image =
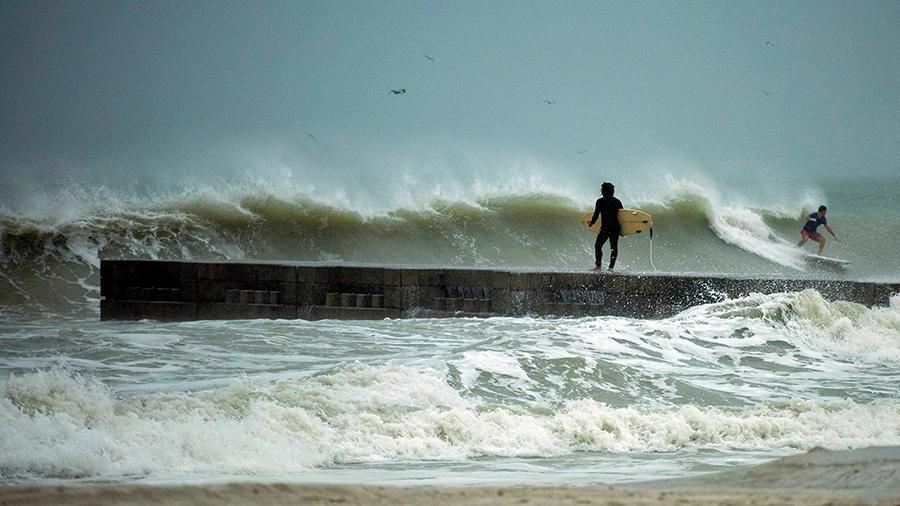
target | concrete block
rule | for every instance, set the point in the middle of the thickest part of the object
(147, 310)
(156, 274)
(122, 268)
(286, 294)
(172, 294)
(188, 289)
(363, 300)
(222, 311)
(359, 275)
(502, 301)
(348, 300)
(113, 288)
(567, 280)
(260, 296)
(211, 290)
(483, 306)
(299, 295)
(280, 273)
(212, 271)
(325, 276)
(233, 296)
(377, 301)
(306, 274)
(189, 270)
(464, 277)
(168, 272)
(519, 281)
(107, 269)
(413, 277)
(240, 272)
(391, 297)
(391, 277)
(332, 299)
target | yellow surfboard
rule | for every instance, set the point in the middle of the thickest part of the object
(631, 220)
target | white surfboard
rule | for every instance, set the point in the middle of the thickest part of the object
(825, 260)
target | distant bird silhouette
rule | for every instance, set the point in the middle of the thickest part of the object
(429, 58)
(583, 151)
(766, 92)
(401, 91)
(551, 102)
(311, 136)
(770, 43)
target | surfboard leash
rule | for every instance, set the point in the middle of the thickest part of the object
(651, 250)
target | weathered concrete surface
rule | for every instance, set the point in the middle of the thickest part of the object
(163, 290)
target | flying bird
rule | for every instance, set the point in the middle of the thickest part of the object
(401, 91)
(770, 43)
(429, 58)
(551, 102)
(583, 151)
(766, 92)
(311, 136)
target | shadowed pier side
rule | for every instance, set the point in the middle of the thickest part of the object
(180, 291)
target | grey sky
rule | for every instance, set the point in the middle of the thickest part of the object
(137, 90)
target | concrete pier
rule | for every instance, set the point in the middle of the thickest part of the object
(179, 291)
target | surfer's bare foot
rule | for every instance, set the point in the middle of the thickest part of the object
(596, 269)
(610, 269)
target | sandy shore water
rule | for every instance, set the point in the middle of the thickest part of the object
(819, 477)
(265, 494)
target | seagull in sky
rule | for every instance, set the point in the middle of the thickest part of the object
(766, 92)
(429, 58)
(550, 102)
(583, 151)
(311, 136)
(401, 91)
(770, 43)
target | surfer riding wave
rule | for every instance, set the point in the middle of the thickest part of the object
(812, 224)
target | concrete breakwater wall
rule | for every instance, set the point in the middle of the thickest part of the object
(171, 290)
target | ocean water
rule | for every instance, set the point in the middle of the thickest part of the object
(449, 401)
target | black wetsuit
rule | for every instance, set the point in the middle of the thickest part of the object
(608, 210)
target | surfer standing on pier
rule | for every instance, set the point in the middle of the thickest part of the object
(809, 229)
(607, 208)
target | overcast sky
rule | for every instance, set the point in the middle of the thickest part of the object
(140, 89)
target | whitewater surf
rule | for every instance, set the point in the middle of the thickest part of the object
(519, 399)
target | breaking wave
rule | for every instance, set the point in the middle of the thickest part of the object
(53, 258)
(62, 425)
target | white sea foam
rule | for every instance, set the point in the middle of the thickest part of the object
(845, 330)
(64, 425)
